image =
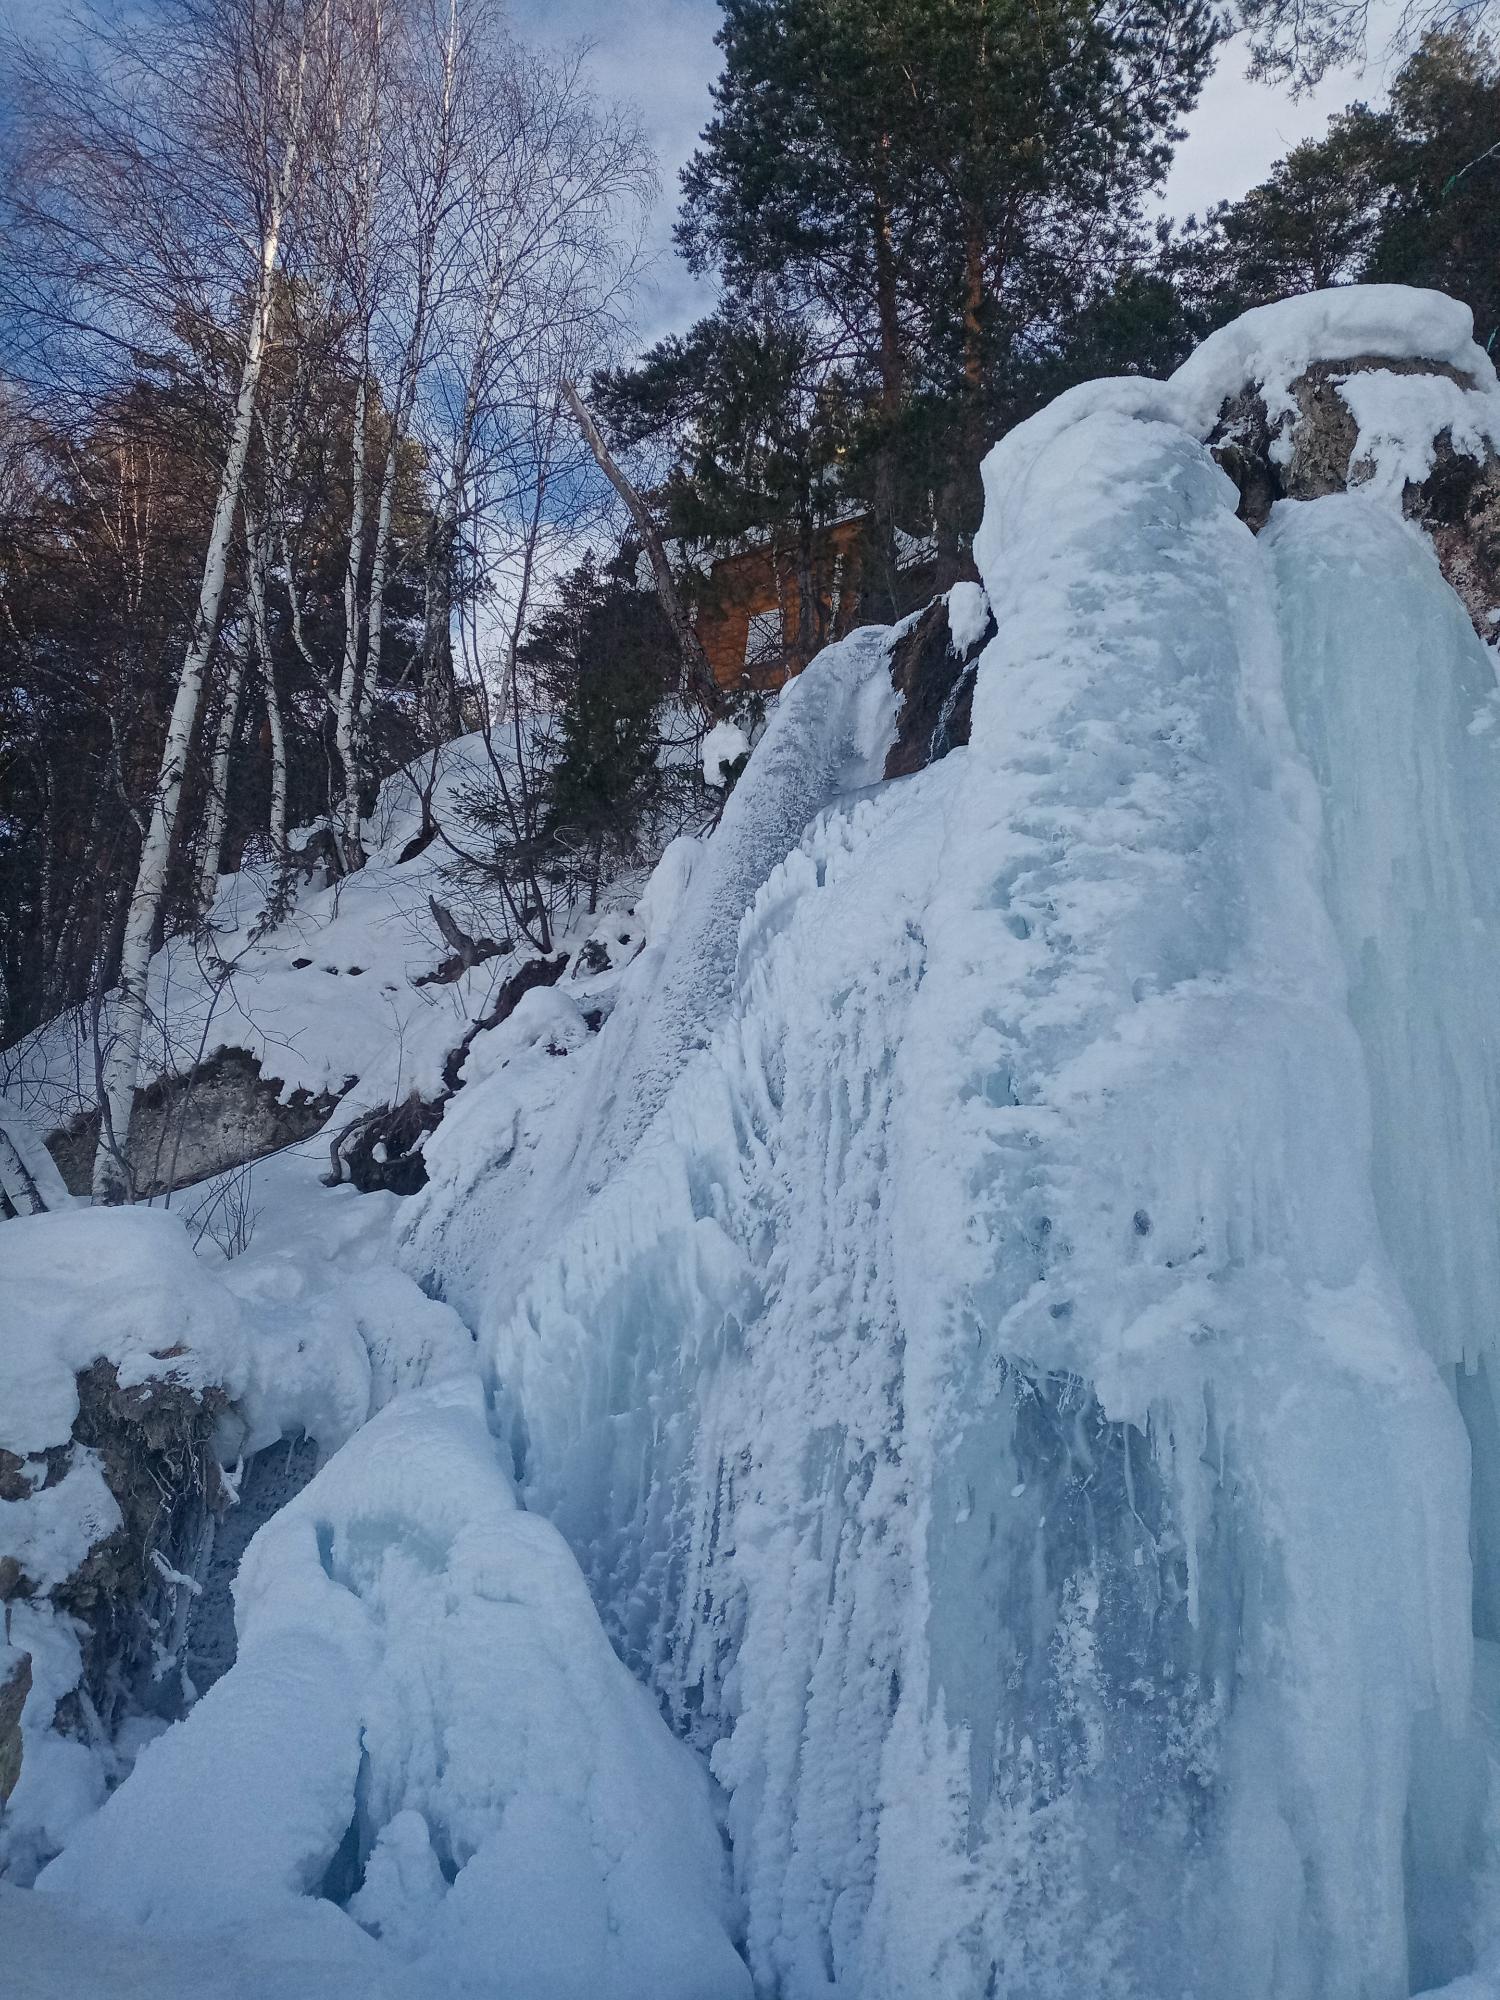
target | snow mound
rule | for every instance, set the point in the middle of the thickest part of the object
(726, 743)
(426, 1724)
(968, 615)
(1269, 347)
(121, 1285)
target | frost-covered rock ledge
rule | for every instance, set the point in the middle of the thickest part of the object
(1375, 388)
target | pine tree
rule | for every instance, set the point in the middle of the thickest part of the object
(754, 422)
(1440, 224)
(603, 656)
(929, 181)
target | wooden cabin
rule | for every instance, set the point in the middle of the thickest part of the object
(749, 611)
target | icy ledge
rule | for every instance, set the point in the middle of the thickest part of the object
(1268, 350)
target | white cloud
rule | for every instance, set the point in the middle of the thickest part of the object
(658, 55)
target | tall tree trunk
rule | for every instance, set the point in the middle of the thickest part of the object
(411, 370)
(275, 722)
(346, 719)
(439, 697)
(379, 565)
(121, 1065)
(809, 610)
(973, 319)
(892, 388)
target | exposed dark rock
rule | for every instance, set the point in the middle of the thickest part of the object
(418, 844)
(936, 686)
(1458, 504)
(379, 1149)
(13, 1692)
(152, 1442)
(535, 972)
(268, 1481)
(464, 952)
(319, 851)
(183, 1128)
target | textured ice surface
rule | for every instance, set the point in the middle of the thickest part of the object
(982, 1401)
(525, 1157)
(995, 1315)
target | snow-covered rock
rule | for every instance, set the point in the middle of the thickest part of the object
(424, 1704)
(725, 745)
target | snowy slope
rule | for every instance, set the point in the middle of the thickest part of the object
(327, 996)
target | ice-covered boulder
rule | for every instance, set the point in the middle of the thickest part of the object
(119, 1352)
(1372, 388)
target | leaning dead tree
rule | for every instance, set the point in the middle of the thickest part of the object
(698, 675)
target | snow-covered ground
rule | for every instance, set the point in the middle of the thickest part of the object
(975, 1322)
(328, 996)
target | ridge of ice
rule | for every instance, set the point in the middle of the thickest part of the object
(1267, 349)
(969, 1342)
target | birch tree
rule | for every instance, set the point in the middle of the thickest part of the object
(164, 169)
(544, 227)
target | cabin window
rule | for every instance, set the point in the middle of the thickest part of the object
(763, 646)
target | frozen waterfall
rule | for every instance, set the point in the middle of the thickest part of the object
(999, 1404)
(999, 1317)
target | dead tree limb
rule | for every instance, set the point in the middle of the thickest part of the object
(699, 675)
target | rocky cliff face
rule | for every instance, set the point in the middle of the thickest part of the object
(218, 1115)
(116, 1584)
(1321, 448)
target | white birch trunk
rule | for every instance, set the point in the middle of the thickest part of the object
(121, 1063)
(429, 223)
(437, 617)
(346, 716)
(379, 564)
(275, 722)
(216, 812)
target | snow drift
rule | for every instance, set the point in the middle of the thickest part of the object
(424, 1706)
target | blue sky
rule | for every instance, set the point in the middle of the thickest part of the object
(660, 54)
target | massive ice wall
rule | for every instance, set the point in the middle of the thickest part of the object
(993, 1401)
